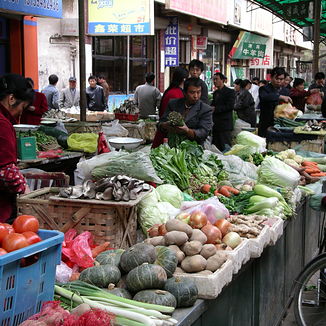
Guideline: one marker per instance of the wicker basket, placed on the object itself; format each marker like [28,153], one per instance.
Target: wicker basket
[111,221]
[316,145]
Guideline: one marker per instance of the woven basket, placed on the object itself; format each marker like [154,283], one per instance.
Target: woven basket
[111,221]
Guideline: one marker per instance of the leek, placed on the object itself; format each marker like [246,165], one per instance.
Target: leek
[265,191]
[266,203]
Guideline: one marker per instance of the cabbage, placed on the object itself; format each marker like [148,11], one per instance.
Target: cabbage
[249,139]
[241,150]
[171,194]
[150,199]
[275,172]
[156,214]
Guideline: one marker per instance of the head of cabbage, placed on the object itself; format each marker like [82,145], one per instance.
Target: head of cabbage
[171,194]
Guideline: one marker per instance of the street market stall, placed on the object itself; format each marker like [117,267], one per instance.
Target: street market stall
[213,231]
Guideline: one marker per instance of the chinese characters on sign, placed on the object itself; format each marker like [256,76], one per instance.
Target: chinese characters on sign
[265,62]
[254,50]
[171,43]
[121,17]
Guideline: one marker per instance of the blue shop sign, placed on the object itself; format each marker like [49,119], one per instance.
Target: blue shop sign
[46,8]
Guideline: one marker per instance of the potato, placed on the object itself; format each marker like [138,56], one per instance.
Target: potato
[208,250]
[192,248]
[156,241]
[175,237]
[193,264]
[216,261]
[205,272]
[178,252]
[179,270]
[198,236]
[177,225]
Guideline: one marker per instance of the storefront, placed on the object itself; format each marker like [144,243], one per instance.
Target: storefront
[18,35]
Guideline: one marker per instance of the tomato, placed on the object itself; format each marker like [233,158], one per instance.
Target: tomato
[31,237]
[14,241]
[9,227]
[25,223]
[3,232]
[2,252]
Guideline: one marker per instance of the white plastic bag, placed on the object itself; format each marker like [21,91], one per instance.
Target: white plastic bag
[238,125]
[114,129]
[212,207]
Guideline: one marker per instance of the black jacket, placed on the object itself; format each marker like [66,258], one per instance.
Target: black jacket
[199,118]
[269,98]
[204,92]
[223,102]
[245,107]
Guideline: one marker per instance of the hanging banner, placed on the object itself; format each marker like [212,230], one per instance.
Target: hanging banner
[199,42]
[171,43]
[267,61]
[49,8]
[121,17]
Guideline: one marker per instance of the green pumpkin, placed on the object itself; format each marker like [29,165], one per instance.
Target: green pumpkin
[146,276]
[110,257]
[159,297]
[184,290]
[136,255]
[101,276]
[166,258]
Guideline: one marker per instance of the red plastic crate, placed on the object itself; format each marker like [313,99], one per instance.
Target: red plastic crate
[127,117]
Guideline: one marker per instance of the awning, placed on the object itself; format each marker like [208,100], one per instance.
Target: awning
[248,46]
[33,8]
[297,12]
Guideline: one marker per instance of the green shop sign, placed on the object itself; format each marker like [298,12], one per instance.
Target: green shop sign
[253,50]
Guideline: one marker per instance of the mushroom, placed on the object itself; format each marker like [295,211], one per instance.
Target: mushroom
[108,194]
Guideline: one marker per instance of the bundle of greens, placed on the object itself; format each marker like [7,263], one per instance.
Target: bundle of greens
[175,119]
[42,140]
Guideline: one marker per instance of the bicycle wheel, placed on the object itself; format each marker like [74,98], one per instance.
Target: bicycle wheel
[310,295]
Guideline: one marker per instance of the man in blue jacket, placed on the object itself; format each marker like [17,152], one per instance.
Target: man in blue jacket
[269,97]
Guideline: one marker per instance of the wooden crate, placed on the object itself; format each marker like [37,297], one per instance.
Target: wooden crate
[316,145]
[106,220]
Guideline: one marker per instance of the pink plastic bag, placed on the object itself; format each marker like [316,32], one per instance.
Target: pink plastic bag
[212,207]
[78,249]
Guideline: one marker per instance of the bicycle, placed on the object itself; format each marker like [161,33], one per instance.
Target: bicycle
[309,292]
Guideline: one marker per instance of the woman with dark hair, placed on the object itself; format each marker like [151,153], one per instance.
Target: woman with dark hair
[15,96]
[173,91]
[244,104]
[236,85]
[33,113]
[299,95]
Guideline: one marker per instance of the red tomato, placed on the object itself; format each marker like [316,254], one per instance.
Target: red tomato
[3,232]
[2,252]
[31,237]
[9,227]
[14,241]
[25,223]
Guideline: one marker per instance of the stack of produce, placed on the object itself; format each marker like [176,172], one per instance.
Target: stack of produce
[247,226]
[43,141]
[187,167]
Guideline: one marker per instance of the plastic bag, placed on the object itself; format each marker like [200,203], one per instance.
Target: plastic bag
[115,129]
[212,207]
[238,125]
[285,110]
[86,142]
[314,99]
[63,273]
[78,249]
[136,165]
[156,214]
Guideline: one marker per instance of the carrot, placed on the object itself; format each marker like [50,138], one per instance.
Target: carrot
[100,248]
[320,174]
[74,277]
[216,193]
[312,170]
[308,163]
[223,191]
[232,190]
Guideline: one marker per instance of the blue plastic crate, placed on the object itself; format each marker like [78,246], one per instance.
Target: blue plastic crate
[24,289]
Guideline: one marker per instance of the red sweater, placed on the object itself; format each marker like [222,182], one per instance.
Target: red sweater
[12,182]
[34,117]
[169,95]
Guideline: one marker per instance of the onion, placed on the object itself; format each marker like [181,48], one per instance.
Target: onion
[184,217]
[223,225]
[232,239]
[153,231]
[197,220]
[162,229]
[220,246]
[212,233]
[215,212]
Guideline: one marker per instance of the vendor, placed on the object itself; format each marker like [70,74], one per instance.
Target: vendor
[15,96]
[270,96]
[197,115]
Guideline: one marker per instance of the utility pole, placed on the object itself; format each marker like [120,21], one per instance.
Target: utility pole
[82,60]
[317,12]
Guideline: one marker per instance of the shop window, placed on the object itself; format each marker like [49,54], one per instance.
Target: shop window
[138,69]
